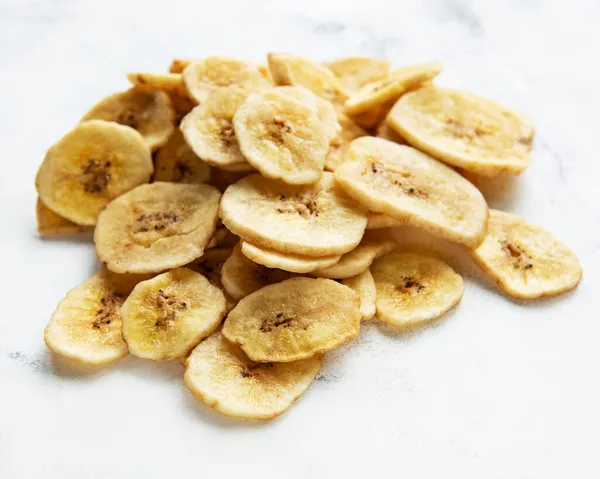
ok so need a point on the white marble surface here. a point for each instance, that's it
(496, 390)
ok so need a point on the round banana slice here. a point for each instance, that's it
(177, 163)
(526, 261)
(204, 78)
(86, 325)
(241, 276)
(464, 130)
(51, 225)
(156, 227)
(339, 145)
(288, 69)
(406, 184)
(384, 131)
(295, 319)
(208, 129)
(364, 285)
(315, 220)
(220, 375)
(295, 263)
(166, 316)
(376, 221)
(389, 89)
(281, 137)
(147, 110)
(89, 166)
(356, 72)
(413, 289)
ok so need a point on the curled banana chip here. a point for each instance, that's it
(339, 145)
(177, 163)
(464, 130)
(220, 375)
(314, 220)
(166, 316)
(406, 184)
(295, 319)
(241, 276)
(356, 72)
(92, 164)
(364, 285)
(413, 289)
(525, 260)
(295, 263)
(147, 110)
(51, 225)
(156, 227)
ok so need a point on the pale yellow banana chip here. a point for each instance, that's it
(295, 319)
(364, 285)
(384, 131)
(339, 145)
(464, 130)
(156, 227)
(219, 374)
(295, 263)
(413, 289)
(356, 72)
(409, 185)
(51, 225)
(241, 276)
(166, 316)
(377, 221)
(177, 163)
(525, 260)
(180, 64)
(205, 77)
(147, 110)
(281, 137)
(92, 164)
(389, 89)
(315, 220)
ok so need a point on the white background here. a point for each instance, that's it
(498, 389)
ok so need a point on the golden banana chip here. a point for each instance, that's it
(364, 285)
(177, 163)
(156, 227)
(89, 166)
(525, 260)
(339, 145)
(356, 72)
(51, 225)
(295, 319)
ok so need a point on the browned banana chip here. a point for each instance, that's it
(156, 227)
(51, 225)
(356, 72)
(176, 162)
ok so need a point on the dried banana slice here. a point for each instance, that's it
(86, 325)
(288, 69)
(147, 110)
(406, 184)
(413, 289)
(464, 130)
(219, 374)
(384, 131)
(389, 89)
(526, 261)
(156, 227)
(208, 129)
(241, 276)
(295, 319)
(205, 77)
(166, 316)
(295, 263)
(364, 285)
(339, 145)
(177, 163)
(89, 166)
(281, 137)
(356, 72)
(315, 220)
(51, 225)
(377, 221)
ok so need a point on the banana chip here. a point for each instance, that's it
(526, 261)
(295, 319)
(294, 263)
(177, 163)
(166, 316)
(364, 285)
(464, 130)
(241, 276)
(51, 225)
(156, 227)
(406, 184)
(339, 145)
(219, 374)
(147, 110)
(356, 72)
(92, 164)
(315, 220)
(180, 64)
(413, 289)
(374, 116)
